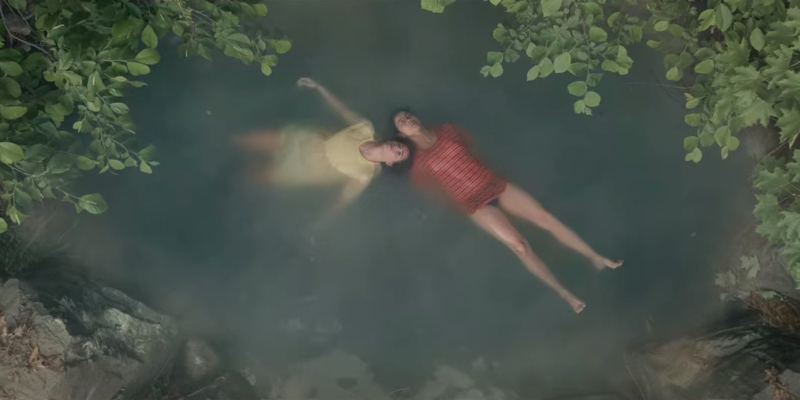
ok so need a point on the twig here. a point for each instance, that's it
(627, 367)
(3, 17)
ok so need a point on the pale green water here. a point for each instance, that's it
(409, 282)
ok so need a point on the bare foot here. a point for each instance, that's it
(603, 262)
(576, 304)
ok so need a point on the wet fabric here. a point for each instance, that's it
(451, 166)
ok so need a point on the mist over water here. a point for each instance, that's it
(407, 282)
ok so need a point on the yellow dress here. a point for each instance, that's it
(309, 158)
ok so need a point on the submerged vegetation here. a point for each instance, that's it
(737, 61)
(65, 67)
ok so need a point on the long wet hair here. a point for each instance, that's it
(404, 167)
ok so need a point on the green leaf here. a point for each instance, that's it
(577, 88)
(561, 63)
(661, 26)
(690, 143)
(10, 153)
(692, 119)
(653, 44)
(692, 103)
(676, 30)
(3, 225)
(496, 70)
(260, 9)
(733, 143)
(592, 99)
(723, 17)
(283, 46)
(593, 79)
(533, 73)
(137, 69)
(612, 18)
(149, 37)
(10, 68)
(757, 39)
(499, 34)
(10, 87)
(494, 57)
(93, 203)
(705, 67)
(495, 2)
(550, 7)
(116, 164)
(59, 163)
(435, 6)
(545, 67)
(18, 4)
(148, 56)
(123, 29)
(610, 66)
(721, 135)
(144, 167)
(95, 82)
(695, 155)
(119, 108)
(673, 74)
(579, 107)
(723, 152)
(789, 124)
(266, 69)
(85, 163)
(597, 34)
(706, 138)
(12, 112)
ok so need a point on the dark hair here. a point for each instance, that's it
(400, 110)
(403, 167)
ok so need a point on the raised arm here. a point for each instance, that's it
(332, 101)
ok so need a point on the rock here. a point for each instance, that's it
(82, 340)
(450, 383)
(722, 362)
(200, 361)
(336, 375)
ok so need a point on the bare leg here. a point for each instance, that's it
(519, 203)
(493, 221)
(262, 140)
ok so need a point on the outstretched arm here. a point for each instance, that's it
(350, 191)
(332, 101)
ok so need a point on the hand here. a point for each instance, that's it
(307, 82)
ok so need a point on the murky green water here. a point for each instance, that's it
(411, 283)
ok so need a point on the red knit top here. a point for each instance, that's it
(450, 166)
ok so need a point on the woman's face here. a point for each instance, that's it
(407, 123)
(394, 152)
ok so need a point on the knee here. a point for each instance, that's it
(519, 246)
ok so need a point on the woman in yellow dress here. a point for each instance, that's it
(305, 156)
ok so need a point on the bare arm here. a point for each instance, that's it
(332, 101)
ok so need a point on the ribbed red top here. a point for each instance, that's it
(451, 165)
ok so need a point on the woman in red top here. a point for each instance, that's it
(443, 161)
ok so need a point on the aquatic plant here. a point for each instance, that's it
(64, 69)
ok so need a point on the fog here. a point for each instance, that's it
(398, 281)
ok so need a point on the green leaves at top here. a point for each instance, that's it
(10, 153)
(10, 68)
(149, 37)
(723, 17)
(533, 73)
(12, 112)
(18, 4)
(496, 70)
(674, 74)
(597, 34)
(260, 9)
(123, 29)
(705, 67)
(561, 63)
(494, 57)
(695, 155)
(550, 7)
(577, 88)
(545, 67)
(3, 225)
(592, 99)
(148, 57)
(93, 203)
(661, 26)
(757, 39)
(10, 87)
(789, 124)
(137, 69)
(435, 6)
